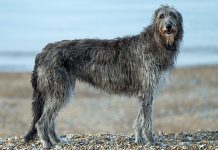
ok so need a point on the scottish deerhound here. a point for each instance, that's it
(131, 65)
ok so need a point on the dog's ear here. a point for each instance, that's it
(180, 17)
(156, 12)
(180, 25)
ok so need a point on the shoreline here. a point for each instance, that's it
(177, 67)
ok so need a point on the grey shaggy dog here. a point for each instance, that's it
(132, 66)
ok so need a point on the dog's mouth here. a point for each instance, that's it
(169, 35)
(169, 31)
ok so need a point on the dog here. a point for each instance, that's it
(131, 66)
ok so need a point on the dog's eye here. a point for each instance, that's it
(161, 16)
(172, 15)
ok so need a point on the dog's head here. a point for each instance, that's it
(168, 23)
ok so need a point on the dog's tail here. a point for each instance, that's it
(37, 106)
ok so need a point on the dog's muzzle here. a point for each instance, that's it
(169, 28)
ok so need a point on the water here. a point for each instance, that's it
(27, 26)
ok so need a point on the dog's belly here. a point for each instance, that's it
(112, 79)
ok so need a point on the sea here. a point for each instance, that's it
(27, 26)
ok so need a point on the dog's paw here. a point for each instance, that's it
(47, 145)
(153, 142)
(140, 140)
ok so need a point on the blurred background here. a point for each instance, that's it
(189, 103)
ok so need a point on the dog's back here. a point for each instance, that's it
(111, 65)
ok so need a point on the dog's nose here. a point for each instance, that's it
(168, 26)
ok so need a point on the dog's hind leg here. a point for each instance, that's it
(51, 130)
(45, 126)
(52, 134)
(37, 106)
(58, 94)
(42, 128)
(67, 93)
(37, 109)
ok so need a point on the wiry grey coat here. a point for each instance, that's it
(132, 65)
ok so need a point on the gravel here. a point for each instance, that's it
(179, 141)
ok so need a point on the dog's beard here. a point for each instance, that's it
(169, 38)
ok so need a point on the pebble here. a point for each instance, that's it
(11, 147)
(57, 147)
(184, 147)
(15, 138)
(110, 141)
(190, 138)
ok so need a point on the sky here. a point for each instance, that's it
(29, 25)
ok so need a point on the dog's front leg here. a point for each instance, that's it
(144, 119)
(147, 110)
(139, 125)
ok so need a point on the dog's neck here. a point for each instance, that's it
(165, 54)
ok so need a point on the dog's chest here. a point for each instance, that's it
(163, 79)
